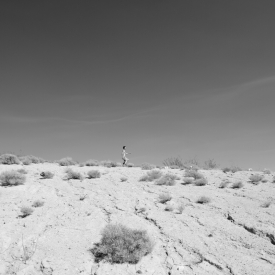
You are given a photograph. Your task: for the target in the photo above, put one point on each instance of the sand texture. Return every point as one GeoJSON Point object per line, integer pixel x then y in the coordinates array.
{"type": "Point", "coordinates": [232, 234]}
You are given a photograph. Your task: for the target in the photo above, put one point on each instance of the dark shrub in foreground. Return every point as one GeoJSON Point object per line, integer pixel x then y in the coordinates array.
{"type": "Point", "coordinates": [120, 244]}
{"type": "Point", "coordinates": [10, 178]}
{"type": "Point", "coordinates": [9, 159]}
{"type": "Point", "coordinates": [200, 182]}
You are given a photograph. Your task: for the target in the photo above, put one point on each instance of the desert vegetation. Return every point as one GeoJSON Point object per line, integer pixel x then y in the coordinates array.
{"type": "Point", "coordinates": [147, 166]}
{"type": "Point", "coordinates": [165, 197]}
{"type": "Point", "coordinates": [151, 175]}
{"type": "Point", "coordinates": [9, 159]}
{"type": "Point", "coordinates": [71, 174]}
{"type": "Point", "coordinates": [12, 178]}
{"type": "Point", "coordinates": [167, 179]}
{"type": "Point", "coordinates": [47, 175]}
{"type": "Point", "coordinates": [67, 161]}
{"type": "Point", "coordinates": [93, 174]}
{"type": "Point", "coordinates": [120, 244]}
{"type": "Point", "coordinates": [203, 200]}
{"type": "Point", "coordinates": [256, 178]}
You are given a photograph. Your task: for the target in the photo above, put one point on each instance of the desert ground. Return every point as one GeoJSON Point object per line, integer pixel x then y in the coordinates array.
{"type": "Point", "coordinates": [234, 233]}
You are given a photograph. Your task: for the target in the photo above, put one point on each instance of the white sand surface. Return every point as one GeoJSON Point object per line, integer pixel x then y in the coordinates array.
{"type": "Point", "coordinates": [233, 234]}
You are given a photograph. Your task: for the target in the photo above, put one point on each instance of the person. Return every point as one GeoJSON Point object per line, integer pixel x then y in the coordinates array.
{"type": "Point", "coordinates": [124, 158]}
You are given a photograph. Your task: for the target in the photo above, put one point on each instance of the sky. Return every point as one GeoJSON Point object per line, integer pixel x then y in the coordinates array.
{"type": "Point", "coordinates": [184, 79]}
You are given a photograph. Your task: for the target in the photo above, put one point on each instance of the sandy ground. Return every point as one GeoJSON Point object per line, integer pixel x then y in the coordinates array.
{"type": "Point", "coordinates": [233, 234]}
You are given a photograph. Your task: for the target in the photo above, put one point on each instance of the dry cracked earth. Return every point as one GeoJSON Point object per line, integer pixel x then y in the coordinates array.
{"type": "Point", "coordinates": [233, 234]}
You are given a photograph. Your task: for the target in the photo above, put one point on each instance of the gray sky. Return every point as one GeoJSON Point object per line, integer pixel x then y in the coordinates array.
{"type": "Point", "coordinates": [165, 78]}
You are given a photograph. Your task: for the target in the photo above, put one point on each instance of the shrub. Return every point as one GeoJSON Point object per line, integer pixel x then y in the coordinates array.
{"type": "Point", "coordinates": [123, 179]}
{"type": "Point", "coordinates": [130, 164]}
{"type": "Point", "coordinates": [73, 175]}
{"type": "Point", "coordinates": [168, 179]}
{"type": "Point", "coordinates": [224, 184]}
{"type": "Point", "coordinates": [9, 159]}
{"type": "Point", "coordinates": [26, 160]}
{"type": "Point", "coordinates": [226, 169]}
{"type": "Point", "coordinates": [169, 208]}
{"type": "Point", "coordinates": [192, 162]}
{"type": "Point", "coordinates": [165, 197]}
{"type": "Point", "coordinates": [151, 175]}
{"type": "Point", "coordinates": [266, 171]}
{"type": "Point", "coordinates": [193, 174]}
{"type": "Point", "coordinates": [91, 162]}
{"type": "Point", "coordinates": [66, 161]}
{"type": "Point", "coordinates": [174, 163]}
{"type": "Point", "coordinates": [26, 211]}
{"type": "Point", "coordinates": [203, 200]}
{"type": "Point", "coordinates": [10, 178]}
{"type": "Point", "coordinates": [22, 171]}
{"type": "Point", "coordinates": [147, 166]}
{"type": "Point", "coordinates": [200, 182]}
{"type": "Point", "coordinates": [256, 178]}
{"type": "Point", "coordinates": [266, 204]}
{"type": "Point", "coordinates": [108, 163]}
{"type": "Point", "coordinates": [187, 180]}
{"type": "Point", "coordinates": [38, 203]}
{"type": "Point", "coordinates": [237, 185]}
{"type": "Point", "coordinates": [47, 175]}
{"type": "Point", "coordinates": [232, 169]}
{"type": "Point", "coordinates": [235, 169]}
{"type": "Point", "coordinates": [120, 244]}
{"type": "Point", "coordinates": [210, 164]}
{"type": "Point", "coordinates": [93, 174]}
{"type": "Point", "coordinates": [264, 180]}
{"type": "Point", "coordinates": [273, 180]}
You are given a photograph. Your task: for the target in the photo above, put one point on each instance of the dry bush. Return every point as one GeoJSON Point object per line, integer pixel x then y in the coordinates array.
{"type": "Point", "coordinates": [12, 178]}
{"type": "Point", "coordinates": [151, 175]}
{"type": "Point", "coordinates": [273, 179]}
{"type": "Point", "coordinates": [130, 164]}
{"type": "Point", "coordinates": [210, 164]}
{"type": "Point", "coordinates": [38, 203]}
{"type": "Point", "coordinates": [237, 185]}
{"type": "Point", "coordinates": [264, 180]}
{"type": "Point", "coordinates": [224, 184]}
{"type": "Point", "coordinates": [66, 161]}
{"type": "Point", "coordinates": [73, 174]}
{"type": "Point", "coordinates": [193, 174]}
{"type": "Point", "coordinates": [9, 159]}
{"type": "Point", "coordinates": [26, 211]}
{"type": "Point", "coordinates": [174, 163]}
{"type": "Point", "coordinates": [167, 179]}
{"type": "Point", "coordinates": [91, 162]}
{"type": "Point", "coordinates": [192, 162]}
{"type": "Point", "coordinates": [200, 182]}
{"type": "Point", "coordinates": [266, 171]}
{"type": "Point", "coordinates": [187, 181]}
{"type": "Point", "coordinates": [120, 244]}
{"type": "Point", "coordinates": [108, 163]}
{"type": "Point", "coordinates": [26, 160]}
{"type": "Point", "coordinates": [266, 204]}
{"type": "Point", "coordinates": [47, 175]}
{"type": "Point", "coordinates": [165, 197]}
{"type": "Point", "coordinates": [169, 208]}
{"type": "Point", "coordinates": [147, 166]}
{"type": "Point", "coordinates": [256, 178]}
{"type": "Point", "coordinates": [203, 200]}
{"type": "Point", "coordinates": [22, 171]}
{"type": "Point", "coordinates": [93, 174]}
{"type": "Point", "coordinates": [232, 169]}
{"type": "Point", "coordinates": [123, 179]}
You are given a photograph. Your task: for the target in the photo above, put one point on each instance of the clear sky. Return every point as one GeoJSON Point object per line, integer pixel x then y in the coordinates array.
{"type": "Point", "coordinates": [165, 78]}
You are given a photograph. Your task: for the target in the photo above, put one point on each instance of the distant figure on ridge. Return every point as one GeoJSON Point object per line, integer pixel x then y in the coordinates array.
{"type": "Point", "coordinates": [124, 156]}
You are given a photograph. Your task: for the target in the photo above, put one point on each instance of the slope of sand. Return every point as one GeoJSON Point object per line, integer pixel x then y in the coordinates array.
{"type": "Point", "coordinates": [233, 234]}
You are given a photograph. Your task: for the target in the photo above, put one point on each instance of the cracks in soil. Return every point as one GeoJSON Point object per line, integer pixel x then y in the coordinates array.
{"type": "Point", "coordinates": [268, 236]}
